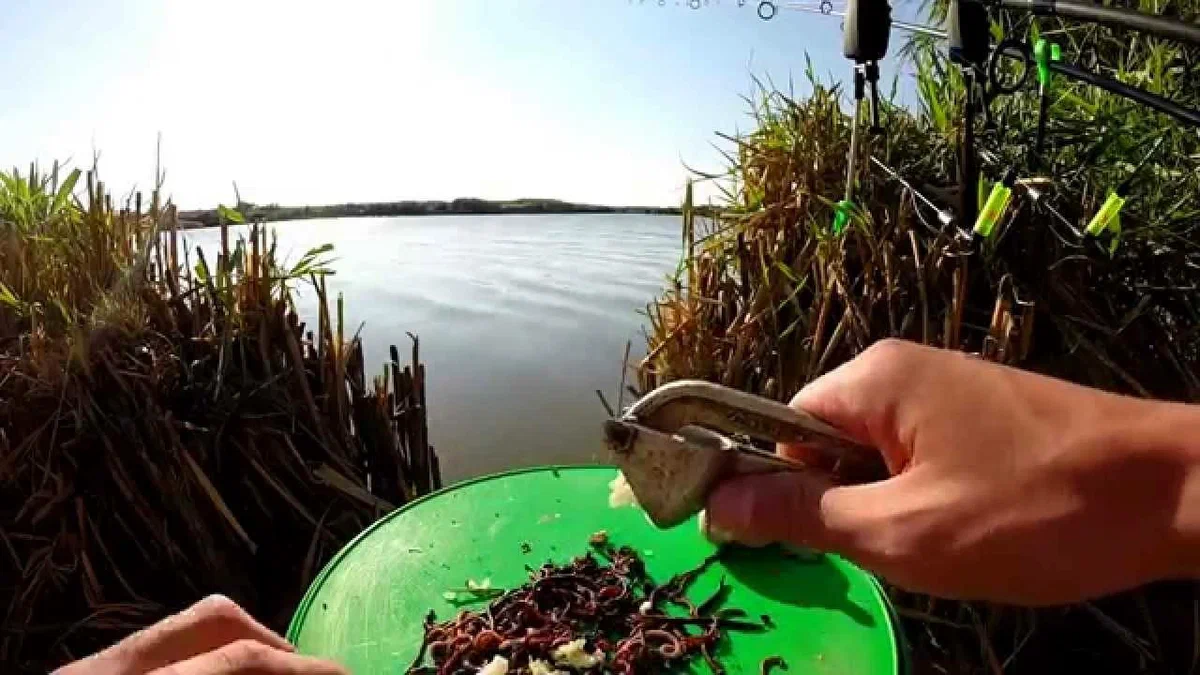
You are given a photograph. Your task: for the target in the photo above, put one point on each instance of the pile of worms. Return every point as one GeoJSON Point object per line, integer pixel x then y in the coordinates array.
{"type": "Point", "coordinates": [613, 606]}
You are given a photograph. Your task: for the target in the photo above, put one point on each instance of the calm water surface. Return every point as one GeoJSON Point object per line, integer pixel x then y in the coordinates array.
{"type": "Point", "coordinates": [521, 319]}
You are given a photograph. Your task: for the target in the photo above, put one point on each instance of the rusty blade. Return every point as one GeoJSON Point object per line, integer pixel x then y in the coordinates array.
{"type": "Point", "coordinates": [670, 475]}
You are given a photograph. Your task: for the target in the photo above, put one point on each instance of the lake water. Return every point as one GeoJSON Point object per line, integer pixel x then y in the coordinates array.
{"type": "Point", "coordinates": [521, 319]}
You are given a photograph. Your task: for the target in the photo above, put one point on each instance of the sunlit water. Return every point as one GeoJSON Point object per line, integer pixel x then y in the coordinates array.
{"type": "Point", "coordinates": [521, 319]}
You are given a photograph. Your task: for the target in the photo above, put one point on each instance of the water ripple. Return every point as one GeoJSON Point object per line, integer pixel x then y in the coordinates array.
{"type": "Point", "coordinates": [521, 318]}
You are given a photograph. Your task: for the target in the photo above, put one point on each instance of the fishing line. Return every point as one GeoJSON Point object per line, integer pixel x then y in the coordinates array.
{"type": "Point", "coordinates": [1040, 198]}
{"type": "Point", "coordinates": [945, 216]}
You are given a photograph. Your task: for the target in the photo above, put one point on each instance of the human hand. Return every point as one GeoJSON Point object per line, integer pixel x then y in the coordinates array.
{"type": "Point", "coordinates": [212, 637]}
{"type": "Point", "coordinates": [1007, 485]}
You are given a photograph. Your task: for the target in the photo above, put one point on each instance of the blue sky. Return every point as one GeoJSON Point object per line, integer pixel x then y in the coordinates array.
{"type": "Point", "coordinates": [589, 100]}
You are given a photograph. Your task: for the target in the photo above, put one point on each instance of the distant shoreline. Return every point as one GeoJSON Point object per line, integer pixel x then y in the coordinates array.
{"type": "Point", "coordinates": [466, 206]}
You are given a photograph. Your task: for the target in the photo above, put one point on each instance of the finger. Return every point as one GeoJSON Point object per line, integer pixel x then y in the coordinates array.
{"type": "Point", "coordinates": [247, 657]}
{"type": "Point", "coordinates": [802, 508]}
{"type": "Point", "coordinates": [861, 398]}
{"type": "Point", "coordinates": [212, 623]}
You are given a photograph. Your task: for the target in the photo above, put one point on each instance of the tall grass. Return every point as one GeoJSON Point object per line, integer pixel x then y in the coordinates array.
{"type": "Point", "coordinates": [57, 261]}
{"type": "Point", "coordinates": [768, 297]}
{"type": "Point", "coordinates": [168, 426]}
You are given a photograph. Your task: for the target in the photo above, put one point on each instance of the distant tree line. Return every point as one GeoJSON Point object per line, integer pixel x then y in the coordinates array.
{"type": "Point", "coordinates": [467, 205]}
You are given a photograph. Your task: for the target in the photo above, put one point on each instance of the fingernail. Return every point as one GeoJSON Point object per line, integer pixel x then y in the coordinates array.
{"type": "Point", "coordinates": [711, 532]}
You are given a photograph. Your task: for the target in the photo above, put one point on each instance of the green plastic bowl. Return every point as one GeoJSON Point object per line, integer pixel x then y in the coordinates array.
{"type": "Point", "coordinates": [365, 609]}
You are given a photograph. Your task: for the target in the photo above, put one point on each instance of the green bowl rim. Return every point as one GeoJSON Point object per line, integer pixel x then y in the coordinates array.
{"type": "Point", "coordinates": [301, 613]}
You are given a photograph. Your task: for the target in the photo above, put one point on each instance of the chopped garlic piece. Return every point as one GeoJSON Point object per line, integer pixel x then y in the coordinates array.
{"type": "Point", "coordinates": [540, 667]}
{"type": "Point", "coordinates": [498, 666]}
{"type": "Point", "coordinates": [572, 654]}
{"type": "Point", "coordinates": [645, 607]}
{"type": "Point", "coordinates": [620, 494]}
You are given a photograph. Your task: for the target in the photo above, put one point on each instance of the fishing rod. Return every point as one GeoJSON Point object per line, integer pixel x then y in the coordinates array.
{"type": "Point", "coordinates": [970, 48]}
{"type": "Point", "coordinates": [1044, 58]}
{"type": "Point", "coordinates": [970, 25]}
{"type": "Point", "coordinates": [1148, 99]}
{"type": "Point", "coordinates": [1114, 17]}
{"type": "Point", "coordinates": [1018, 50]}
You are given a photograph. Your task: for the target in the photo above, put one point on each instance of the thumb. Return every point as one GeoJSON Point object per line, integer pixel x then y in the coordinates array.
{"type": "Point", "coordinates": [800, 507]}
{"type": "Point", "coordinates": [846, 399]}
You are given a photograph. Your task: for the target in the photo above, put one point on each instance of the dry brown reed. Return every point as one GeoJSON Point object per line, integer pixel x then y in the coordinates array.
{"type": "Point", "coordinates": [170, 429]}
{"type": "Point", "coordinates": [766, 299]}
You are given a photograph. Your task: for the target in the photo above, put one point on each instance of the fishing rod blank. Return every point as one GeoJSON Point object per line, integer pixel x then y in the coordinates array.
{"type": "Point", "coordinates": [826, 9]}
{"type": "Point", "coordinates": [1150, 100]}
{"type": "Point", "coordinates": [1159, 103]}
{"type": "Point", "coordinates": [1154, 24]}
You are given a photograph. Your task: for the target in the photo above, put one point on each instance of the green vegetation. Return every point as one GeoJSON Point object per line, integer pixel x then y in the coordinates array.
{"type": "Point", "coordinates": [274, 212]}
{"type": "Point", "coordinates": [766, 297]}
{"type": "Point", "coordinates": [165, 420]}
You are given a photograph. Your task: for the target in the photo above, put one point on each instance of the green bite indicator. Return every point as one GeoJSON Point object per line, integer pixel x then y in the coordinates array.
{"type": "Point", "coordinates": [993, 210]}
{"type": "Point", "coordinates": [1043, 53]}
{"type": "Point", "coordinates": [841, 215]}
{"type": "Point", "coordinates": [1108, 217]}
